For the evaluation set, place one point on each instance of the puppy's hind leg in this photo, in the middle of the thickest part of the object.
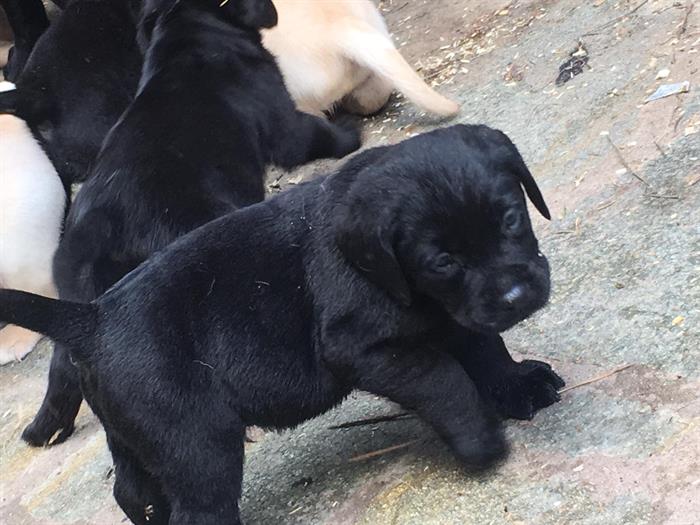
(61, 403)
(312, 138)
(55, 420)
(433, 384)
(138, 493)
(369, 97)
(203, 472)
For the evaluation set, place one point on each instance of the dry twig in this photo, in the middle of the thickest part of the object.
(658, 147)
(381, 451)
(684, 26)
(625, 164)
(373, 420)
(605, 205)
(595, 379)
(615, 20)
(660, 196)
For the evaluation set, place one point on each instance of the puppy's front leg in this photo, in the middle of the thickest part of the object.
(312, 138)
(518, 389)
(435, 385)
(138, 493)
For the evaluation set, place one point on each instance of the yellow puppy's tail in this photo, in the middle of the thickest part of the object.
(368, 47)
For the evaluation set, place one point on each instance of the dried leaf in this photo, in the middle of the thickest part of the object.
(677, 320)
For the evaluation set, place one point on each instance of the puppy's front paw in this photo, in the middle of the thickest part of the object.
(48, 429)
(15, 343)
(526, 388)
(481, 449)
(347, 136)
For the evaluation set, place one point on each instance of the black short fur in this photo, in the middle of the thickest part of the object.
(211, 113)
(80, 77)
(393, 276)
(28, 21)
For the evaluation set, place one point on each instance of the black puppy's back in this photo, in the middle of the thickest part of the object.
(193, 145)
(211, 113)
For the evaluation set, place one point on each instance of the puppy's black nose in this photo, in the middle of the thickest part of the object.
(515, 294)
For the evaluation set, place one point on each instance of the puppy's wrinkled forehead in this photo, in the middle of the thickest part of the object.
(467, 183)
(470, 170)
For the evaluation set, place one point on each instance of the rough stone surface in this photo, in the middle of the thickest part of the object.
(623, 180)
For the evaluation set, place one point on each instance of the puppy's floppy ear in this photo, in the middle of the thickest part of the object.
(517, 164)
(365, 233)
(532, 190)
(256, 14)
(510, 157)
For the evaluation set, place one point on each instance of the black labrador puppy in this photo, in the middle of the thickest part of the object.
(28, 21)
(80, 77)
(389, 276)
(211, 113)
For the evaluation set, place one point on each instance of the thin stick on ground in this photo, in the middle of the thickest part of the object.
(373, 420)
(381, 451)
(616, 19)
(684, 25)
(622, 160)
(595, 379)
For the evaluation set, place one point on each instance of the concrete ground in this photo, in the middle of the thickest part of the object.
(623, 180)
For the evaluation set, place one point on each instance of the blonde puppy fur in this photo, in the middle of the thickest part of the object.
(340, 51)
(32, 205)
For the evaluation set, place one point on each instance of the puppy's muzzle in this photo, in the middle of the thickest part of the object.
(525, 288)
(519, 291)
(514, 295)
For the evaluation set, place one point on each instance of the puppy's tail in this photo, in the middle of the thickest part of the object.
(72, 324)
(370, 48)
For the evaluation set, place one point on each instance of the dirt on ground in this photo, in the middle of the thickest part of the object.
(622, 177)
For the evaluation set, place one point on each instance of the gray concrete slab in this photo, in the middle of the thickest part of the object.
(623, 180)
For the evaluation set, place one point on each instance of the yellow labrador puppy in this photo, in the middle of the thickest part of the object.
(32, 205)
(340, 51)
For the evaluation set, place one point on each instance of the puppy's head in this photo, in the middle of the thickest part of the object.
(443, 216)
(256, 14)
(251, 14)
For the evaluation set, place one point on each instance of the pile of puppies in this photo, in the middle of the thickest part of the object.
(183, 293)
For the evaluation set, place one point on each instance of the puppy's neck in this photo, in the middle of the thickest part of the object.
(193, 37)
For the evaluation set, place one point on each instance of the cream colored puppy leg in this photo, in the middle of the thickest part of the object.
(16, 342)
(369, 97)
(32, 202)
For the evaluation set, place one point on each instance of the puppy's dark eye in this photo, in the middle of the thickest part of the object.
(512, 220)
